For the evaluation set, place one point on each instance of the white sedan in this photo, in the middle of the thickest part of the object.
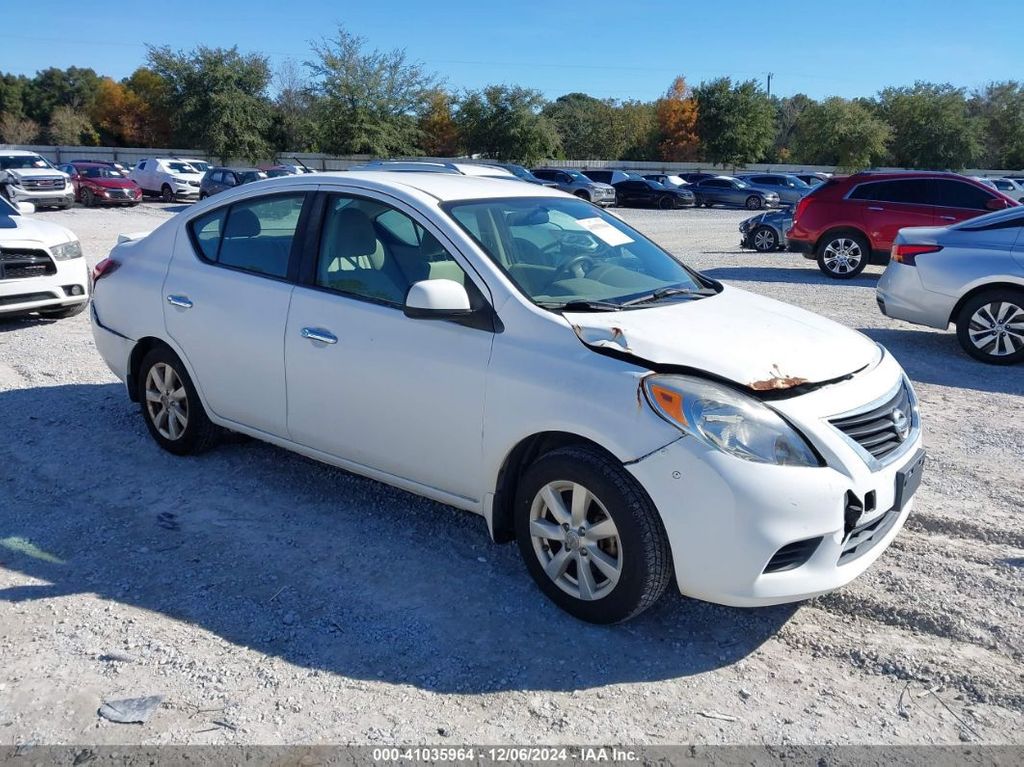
(42, 270)
(520, 353)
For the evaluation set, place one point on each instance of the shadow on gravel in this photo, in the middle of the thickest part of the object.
(297, 560)
(794, 275)
(935, 357)
(13, 324)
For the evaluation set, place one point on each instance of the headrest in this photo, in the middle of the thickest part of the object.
(352, 234)
(242, 222)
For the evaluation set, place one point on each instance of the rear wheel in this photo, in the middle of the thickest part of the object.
(166, 193)
(590, 536)
(170, 405)
(990, 326)
(754, 202)
(765, 240)
(843, 255)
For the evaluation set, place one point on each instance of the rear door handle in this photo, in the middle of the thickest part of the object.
(319, 334)
(947, 218)
(183, 302)
(875, 207)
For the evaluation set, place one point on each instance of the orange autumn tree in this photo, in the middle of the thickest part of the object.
(677, 122)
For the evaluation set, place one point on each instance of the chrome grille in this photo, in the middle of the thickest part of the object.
(39, 184)
(883, 429)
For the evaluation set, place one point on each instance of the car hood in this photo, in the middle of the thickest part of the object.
(756, 342)
(24, 231)
(111, 183)
(36, 173)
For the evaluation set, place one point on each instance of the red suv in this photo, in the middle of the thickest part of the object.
(848, 222)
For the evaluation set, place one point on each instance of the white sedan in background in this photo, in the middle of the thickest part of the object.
(518, 352)
(42, 270)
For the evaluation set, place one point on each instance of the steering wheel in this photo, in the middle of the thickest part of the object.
(577, 266)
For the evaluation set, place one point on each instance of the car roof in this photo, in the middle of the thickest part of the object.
(18, 153)
(443, 187)
(90, 163)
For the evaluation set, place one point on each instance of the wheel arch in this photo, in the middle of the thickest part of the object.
(984, 287)
(500, 513)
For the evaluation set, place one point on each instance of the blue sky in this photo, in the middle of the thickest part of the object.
(624, 49)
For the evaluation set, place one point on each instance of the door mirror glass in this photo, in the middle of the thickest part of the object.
(437, 300)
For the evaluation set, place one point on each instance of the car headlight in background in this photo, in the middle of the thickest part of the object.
(67, 251)
(727, 420)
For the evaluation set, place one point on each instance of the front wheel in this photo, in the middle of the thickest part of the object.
(170, 405)
(990, 326)
(765, 240)
(167, 194)
(754, 202)
(843, 255)
(590, 536)
(665, 202)
(88, 198)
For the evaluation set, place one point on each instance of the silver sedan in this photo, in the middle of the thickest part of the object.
(970, 274)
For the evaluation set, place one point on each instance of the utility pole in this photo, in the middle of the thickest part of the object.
(770, 76)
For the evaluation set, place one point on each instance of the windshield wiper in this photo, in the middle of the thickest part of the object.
(580, 306)
(661, 293)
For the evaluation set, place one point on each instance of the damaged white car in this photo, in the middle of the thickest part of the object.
(524, 355)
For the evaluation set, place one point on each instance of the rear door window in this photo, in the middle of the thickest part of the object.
(910, 192)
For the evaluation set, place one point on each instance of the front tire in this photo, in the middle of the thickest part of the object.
(88, 198)
(843, 255)
(990, 326)
(582, 195)
(754, 202)
(590, 536)
(765, 240)
(665, 203)
(170, 405)
(166, 193)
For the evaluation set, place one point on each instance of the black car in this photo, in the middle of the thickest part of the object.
(220, 179)
(634, 189)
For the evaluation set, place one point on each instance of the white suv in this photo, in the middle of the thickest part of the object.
(29, 177)
(41, 266)
(514, 351)
(169, 178)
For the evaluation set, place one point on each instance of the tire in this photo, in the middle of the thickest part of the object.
(64, 312)
(203, 196)
(754, 202)
(199, 433)
(582, 195)
(709, 204)
(635, 551)
(999, 308)
(166, 193)
(843, 255)
(665, 203)
(765, 239)
(88, 198)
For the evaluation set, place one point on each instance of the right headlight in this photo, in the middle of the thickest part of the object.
(728, 420)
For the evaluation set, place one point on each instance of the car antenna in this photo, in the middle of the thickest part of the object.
(304, 166)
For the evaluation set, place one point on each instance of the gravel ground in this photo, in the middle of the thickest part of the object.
(271, 599)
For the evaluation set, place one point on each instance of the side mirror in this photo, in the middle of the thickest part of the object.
(996, 203)
(437, 300)
(26, 208)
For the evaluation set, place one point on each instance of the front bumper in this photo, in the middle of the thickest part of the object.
(43, 198)
(185, 191)
(67, 287)
(728, 519)
(900, 294)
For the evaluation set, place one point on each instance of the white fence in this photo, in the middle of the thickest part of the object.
(131, 155)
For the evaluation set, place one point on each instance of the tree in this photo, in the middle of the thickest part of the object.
(999, 107)
(368, 101)
(218, 99)
(51, 88)
(439, 136)
(292, 127)
(71, 127)
(504, 122)
(677, 121)
(842, 133)
(585, 125)
(18, 130)
(931, 126)
(736, 123)
(12, 94)
(787, 114)
(153, 94)
(636, 125)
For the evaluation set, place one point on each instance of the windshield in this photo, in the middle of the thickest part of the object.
(181, 167)
(560, 252)
(99, 173)
(798, 182)
(199, 165)
(23, 161)
(739, 184)
(577, 176)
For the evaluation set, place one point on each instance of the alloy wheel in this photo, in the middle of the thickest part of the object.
(764, 240)
(843, 255)
(753, 203)
(166, 401)
(575, 540)
(997, 328)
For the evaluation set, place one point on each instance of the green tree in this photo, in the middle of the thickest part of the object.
(931, 126)
(504, 122)
(840, 132)
(292, 126)
(153, 95)
(585, 127)
(736, 123)
(368, 102)
(71, 127)
(787, 114)
(1000, 109)
(51, 88)
(636, 125)
(12, 94)
(218, 99)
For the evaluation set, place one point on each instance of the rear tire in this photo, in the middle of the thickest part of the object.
(88, 198)
(843, 255)
(609, 558)
(990, 326)
(171, 407)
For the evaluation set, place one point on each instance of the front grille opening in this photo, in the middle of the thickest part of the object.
(852, 512)
(877, 430)
(792, 555)
(25, 298)
(864, 537)
(19, 264)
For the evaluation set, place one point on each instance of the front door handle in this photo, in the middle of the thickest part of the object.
(948, 218)
(183, 302)
(875, 207)
(319, 334)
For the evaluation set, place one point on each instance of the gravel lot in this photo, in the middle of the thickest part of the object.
(271, 599)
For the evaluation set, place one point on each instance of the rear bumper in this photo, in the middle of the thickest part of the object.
(803, 247)
(901, 295)
(114, 348)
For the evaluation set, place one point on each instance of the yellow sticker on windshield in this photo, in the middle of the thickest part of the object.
(605, 231)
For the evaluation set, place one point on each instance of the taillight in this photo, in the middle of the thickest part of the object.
(103, 268)
(801, 206)
(907, 254)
